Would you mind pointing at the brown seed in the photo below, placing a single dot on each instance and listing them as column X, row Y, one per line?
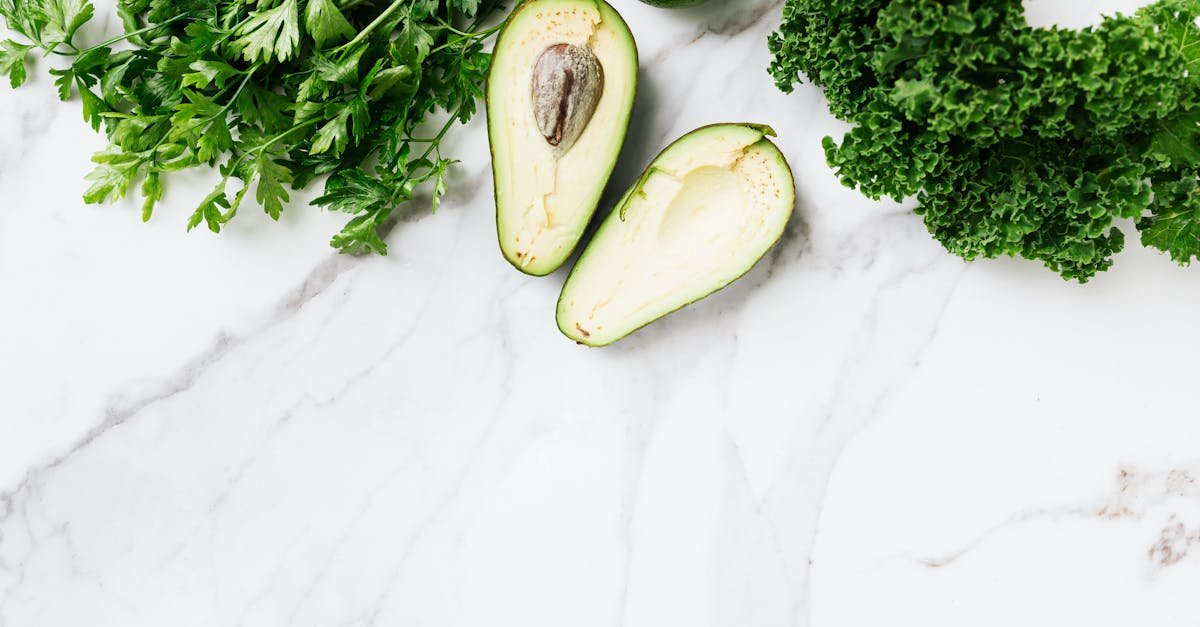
column 567, row 83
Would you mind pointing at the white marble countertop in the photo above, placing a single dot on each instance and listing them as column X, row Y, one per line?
column 248, row 429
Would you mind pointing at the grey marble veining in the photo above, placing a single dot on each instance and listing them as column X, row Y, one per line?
column 248, row 429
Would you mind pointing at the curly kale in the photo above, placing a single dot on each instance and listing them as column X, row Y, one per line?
column 1014, row 140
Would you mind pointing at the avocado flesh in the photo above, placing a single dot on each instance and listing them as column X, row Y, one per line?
column 545, row 195
column 708, row 208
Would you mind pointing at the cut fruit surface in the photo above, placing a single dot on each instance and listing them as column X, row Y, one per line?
column 704, row 212
column 559, row 95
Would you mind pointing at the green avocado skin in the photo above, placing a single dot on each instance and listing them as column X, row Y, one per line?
column 673, row 4
column 607, row 165
column 767, row 132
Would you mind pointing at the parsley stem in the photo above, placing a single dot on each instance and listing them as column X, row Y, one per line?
column 362, row 34
column 274, row 140
column 233, row 99
column 483, row 34
column 435, row 144
column 302, row 125
column 140, row 31
column 450, row 27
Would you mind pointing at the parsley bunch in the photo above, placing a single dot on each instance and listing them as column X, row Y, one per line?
column 272, row 92
column 1014, row 140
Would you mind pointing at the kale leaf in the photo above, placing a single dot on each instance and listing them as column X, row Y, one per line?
column 1014, row 140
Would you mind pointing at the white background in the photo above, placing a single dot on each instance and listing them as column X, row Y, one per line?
column 247, row 429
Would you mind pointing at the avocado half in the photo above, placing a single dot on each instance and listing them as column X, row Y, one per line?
column 560, row 92
column 704, row 212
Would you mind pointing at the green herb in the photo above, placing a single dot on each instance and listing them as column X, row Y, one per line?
column 1014, row 140
column 272, row 92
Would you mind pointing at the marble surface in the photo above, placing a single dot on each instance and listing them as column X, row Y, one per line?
column 248, row 429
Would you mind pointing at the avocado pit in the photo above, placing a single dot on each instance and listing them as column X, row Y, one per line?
column 568, row 81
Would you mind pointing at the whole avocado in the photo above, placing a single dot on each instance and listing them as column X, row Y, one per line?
column 673, row 4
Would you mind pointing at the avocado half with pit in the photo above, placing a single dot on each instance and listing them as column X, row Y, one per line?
column 704, row 212
column 559, row 95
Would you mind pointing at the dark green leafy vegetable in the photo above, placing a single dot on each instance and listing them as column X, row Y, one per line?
column 1014, row 140
column 274, row 93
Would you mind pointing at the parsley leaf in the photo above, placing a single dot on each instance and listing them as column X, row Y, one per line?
column 325, row 22
column 63, row 19
column 267, row 89
column 274, row 33
column 12, row 61
column 114, row 172
column 333, row 135
column 211, row 210
column 152, row 192
column 270, row 192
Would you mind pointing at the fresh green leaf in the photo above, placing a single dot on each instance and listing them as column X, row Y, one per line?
column 27, row 18
column 354, row 191
column 468, row 7
column 215, row 141
column 272, row 176
column 333, row 135
column 360, row 118
column 413, row 45
column 1173, row 225
column 152, row 192
column 343, row 71
column 162, row 10
column 419, row 10
column 1013, row 140
column 239, row 83
column 270, row 34
column 112, row 176
column 384, row 82
column 64, row 80
column 93, row 107
column 12, row 61
column 90, row 65
column 325, row 22
column 263, row 107
column 1176, row 22
column 1176, row 232
column 439, row 181
column 63, row 19
column 211, row 210
column 1177, row 140
column 208, row 73
column 361, row 236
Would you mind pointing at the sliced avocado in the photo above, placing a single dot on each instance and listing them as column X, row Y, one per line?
column 559, row 95
column 704, row 212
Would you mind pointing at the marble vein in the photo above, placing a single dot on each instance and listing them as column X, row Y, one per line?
column 408, row 441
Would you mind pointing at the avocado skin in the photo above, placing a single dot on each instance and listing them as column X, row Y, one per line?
column 521, row 5
column 674, row 4
column 767, row 132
